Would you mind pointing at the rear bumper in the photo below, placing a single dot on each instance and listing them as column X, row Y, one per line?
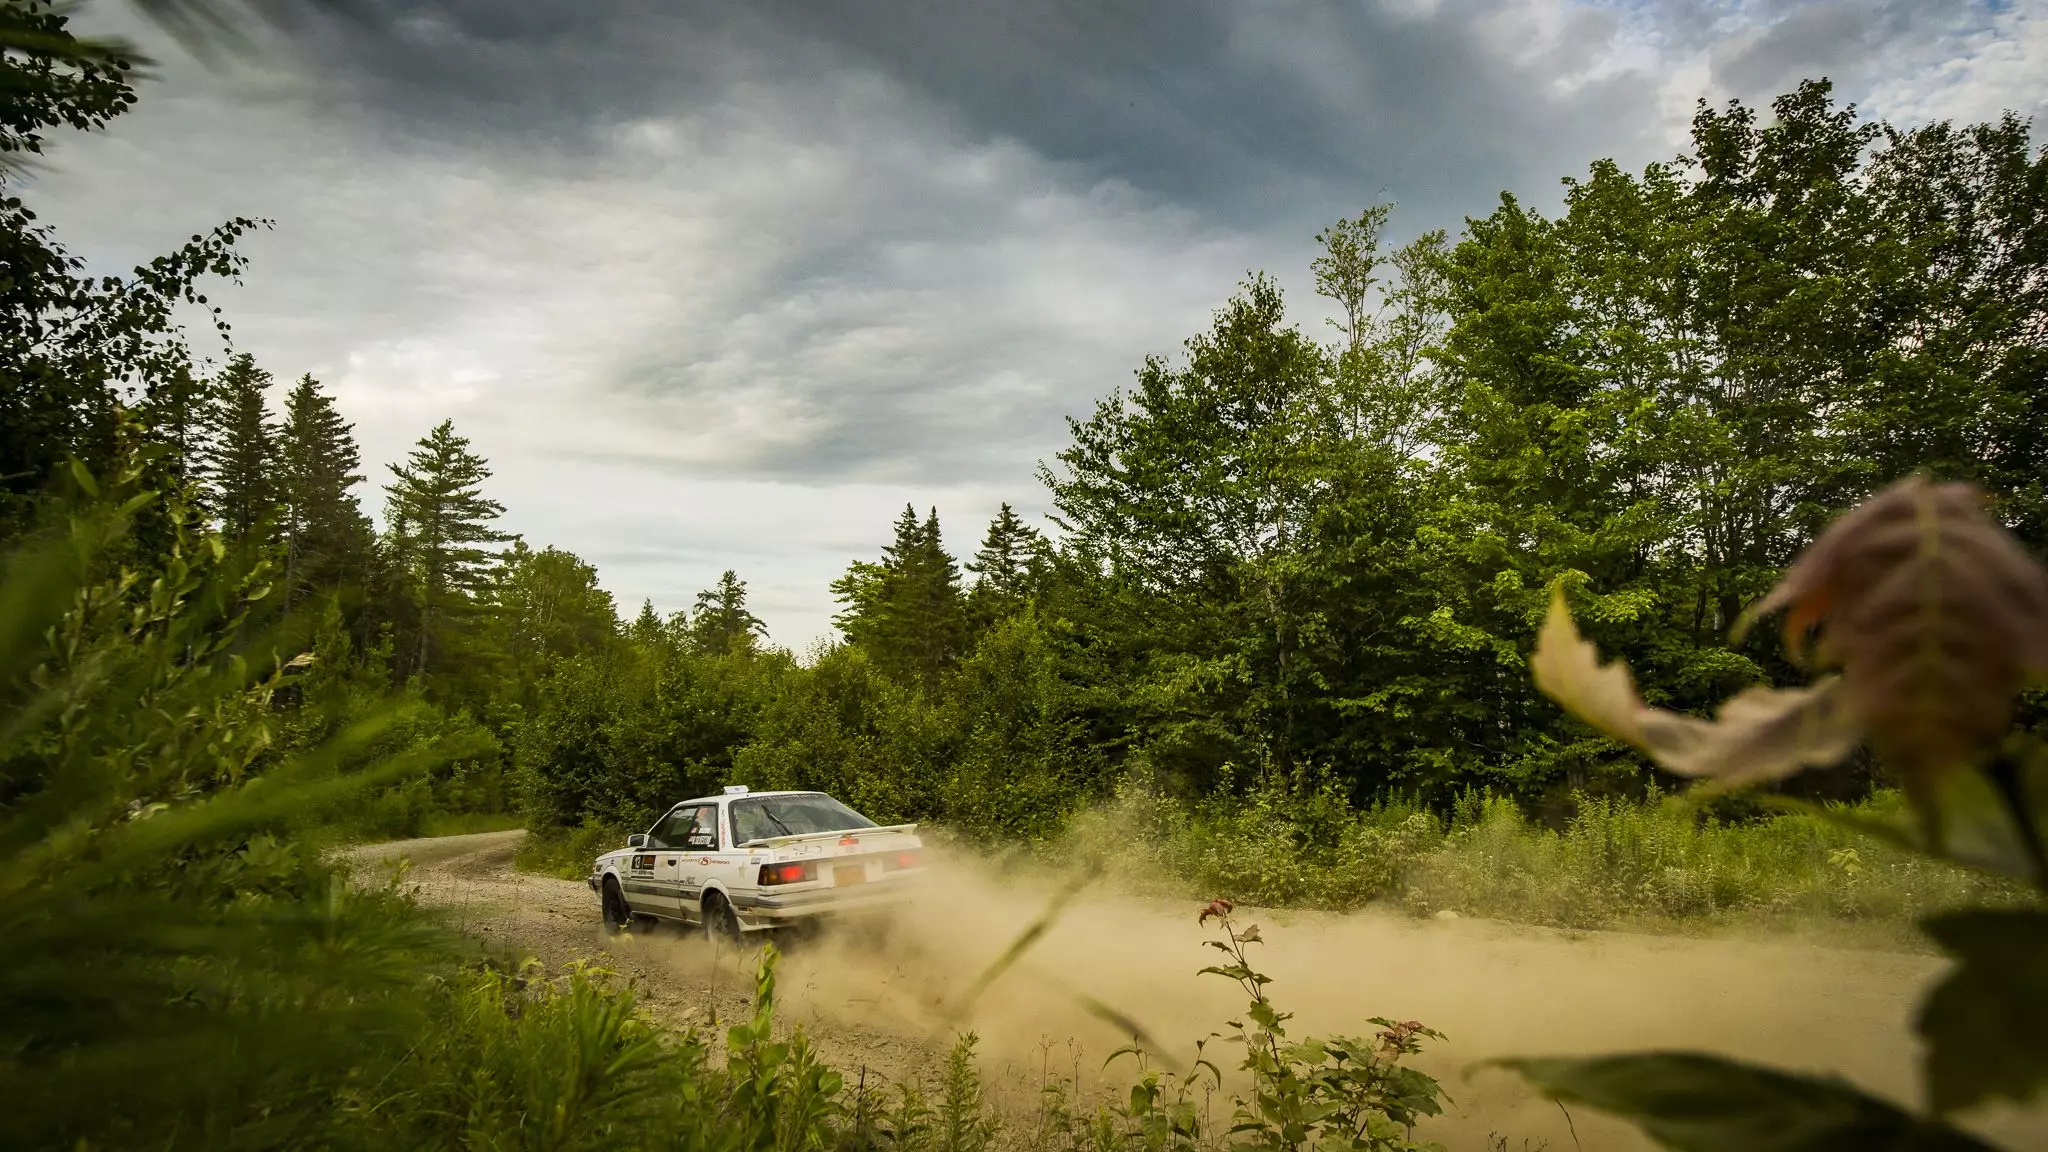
column 790, row 907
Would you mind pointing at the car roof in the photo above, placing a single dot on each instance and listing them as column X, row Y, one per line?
column 743, row 796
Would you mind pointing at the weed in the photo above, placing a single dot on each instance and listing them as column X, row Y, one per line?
column 1654, row 864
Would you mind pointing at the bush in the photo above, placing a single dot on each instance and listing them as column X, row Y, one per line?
column 567, row 852
column 1656, row 863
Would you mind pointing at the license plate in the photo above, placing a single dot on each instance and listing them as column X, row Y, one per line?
column 850, row 874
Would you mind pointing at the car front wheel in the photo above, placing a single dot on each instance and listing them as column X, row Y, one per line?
column 617, row 915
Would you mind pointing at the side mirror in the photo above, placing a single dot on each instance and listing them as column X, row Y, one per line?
column 637, row 840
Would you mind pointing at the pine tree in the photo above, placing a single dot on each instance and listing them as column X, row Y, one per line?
column 1005, row 568
column 907, row 611
column 242, row 473
column 327, row 538
column 723, row 623
column 646, row 627
column 437, row 519
column 177, row 412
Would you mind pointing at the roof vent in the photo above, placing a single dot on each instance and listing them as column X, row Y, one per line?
column 735, row 789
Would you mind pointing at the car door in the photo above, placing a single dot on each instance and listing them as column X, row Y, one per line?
column 696, row 836
column 655, row 883
column 711, row 858
column 727, row 864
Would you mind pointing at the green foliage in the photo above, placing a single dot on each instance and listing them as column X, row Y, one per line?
column 1656, row 865
column 567, row 852
column 1008, row 568
column 524, row 1062
column 618, row 734
column 906, row 611
column 1984, row 1023
column 545, row 607
column 1926, row 620
column 242, row 476
column 962, row 1121
column 325, row 534
column 1700, row 1103
column 1022, row 758
column 52, row 78
column 163, row 926
column 723, row 624
column 439, row 518
column 1335, row 1092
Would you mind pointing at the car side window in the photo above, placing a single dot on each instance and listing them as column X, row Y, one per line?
column 703, row 829
column 673, row 828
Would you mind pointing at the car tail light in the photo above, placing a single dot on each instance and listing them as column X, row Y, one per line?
column 787, row 873
column 908, row 859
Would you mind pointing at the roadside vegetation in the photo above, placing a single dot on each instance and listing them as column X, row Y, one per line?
column 1311, row 635
column 1660, row 864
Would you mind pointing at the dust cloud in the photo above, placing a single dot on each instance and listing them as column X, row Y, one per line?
column 1493, row 989
column 889, row 998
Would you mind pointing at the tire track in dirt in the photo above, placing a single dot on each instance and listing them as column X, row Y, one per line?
column 1494, row 989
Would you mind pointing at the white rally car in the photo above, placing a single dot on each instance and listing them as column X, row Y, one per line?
column 746, row 861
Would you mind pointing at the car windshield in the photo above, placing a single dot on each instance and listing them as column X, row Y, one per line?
column 767, row 816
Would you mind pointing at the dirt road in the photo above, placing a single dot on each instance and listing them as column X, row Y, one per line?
column 1493, row 989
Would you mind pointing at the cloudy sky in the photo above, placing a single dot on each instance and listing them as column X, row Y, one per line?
column 723, row 285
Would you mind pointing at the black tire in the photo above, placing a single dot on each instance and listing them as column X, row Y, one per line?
column 617, row 915
column 720, row 925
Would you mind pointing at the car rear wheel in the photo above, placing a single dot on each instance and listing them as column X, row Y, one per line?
column 617, row 915
column 720, row 925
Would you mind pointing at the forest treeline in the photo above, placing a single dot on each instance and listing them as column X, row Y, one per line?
column 1304, row 570
column 1288, row 562
column 1282, row 558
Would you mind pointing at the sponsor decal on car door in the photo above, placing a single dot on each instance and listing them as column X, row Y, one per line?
column 715, row 862
column 653, row 881
column 698, row 843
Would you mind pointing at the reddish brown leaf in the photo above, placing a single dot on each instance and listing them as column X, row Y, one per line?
column 1934, row 614
column 1760, row 734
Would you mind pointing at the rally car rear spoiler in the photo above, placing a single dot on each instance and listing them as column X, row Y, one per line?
column 779, row 841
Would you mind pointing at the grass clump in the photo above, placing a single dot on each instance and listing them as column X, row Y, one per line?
column 1658, row 863
column 1654, row 863
column 567, row 853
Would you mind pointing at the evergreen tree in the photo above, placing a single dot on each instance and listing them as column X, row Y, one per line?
column 326, row 536
column 907, row 611
column 646, row 627
column 178, row 412
column 1007, row 566
column 242, row 474
column 437, row 521
column 723, row 623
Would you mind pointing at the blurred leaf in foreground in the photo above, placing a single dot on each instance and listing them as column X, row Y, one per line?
column 1699, row 1103
column 1984, row 1024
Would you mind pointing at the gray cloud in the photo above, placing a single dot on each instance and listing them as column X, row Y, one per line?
column 1251, row 109
column 720, row 285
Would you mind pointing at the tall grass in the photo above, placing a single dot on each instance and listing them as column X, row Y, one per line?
column 567, row 853
column 1654, row 864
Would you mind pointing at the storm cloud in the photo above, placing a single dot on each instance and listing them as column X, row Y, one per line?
column 720, row 285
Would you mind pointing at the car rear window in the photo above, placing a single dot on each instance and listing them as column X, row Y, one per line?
column 765, row 816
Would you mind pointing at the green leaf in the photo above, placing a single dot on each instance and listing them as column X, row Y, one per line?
column 1986, row 1025
column 1972, row 823
column 1699, row 1103
column 84, row 477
